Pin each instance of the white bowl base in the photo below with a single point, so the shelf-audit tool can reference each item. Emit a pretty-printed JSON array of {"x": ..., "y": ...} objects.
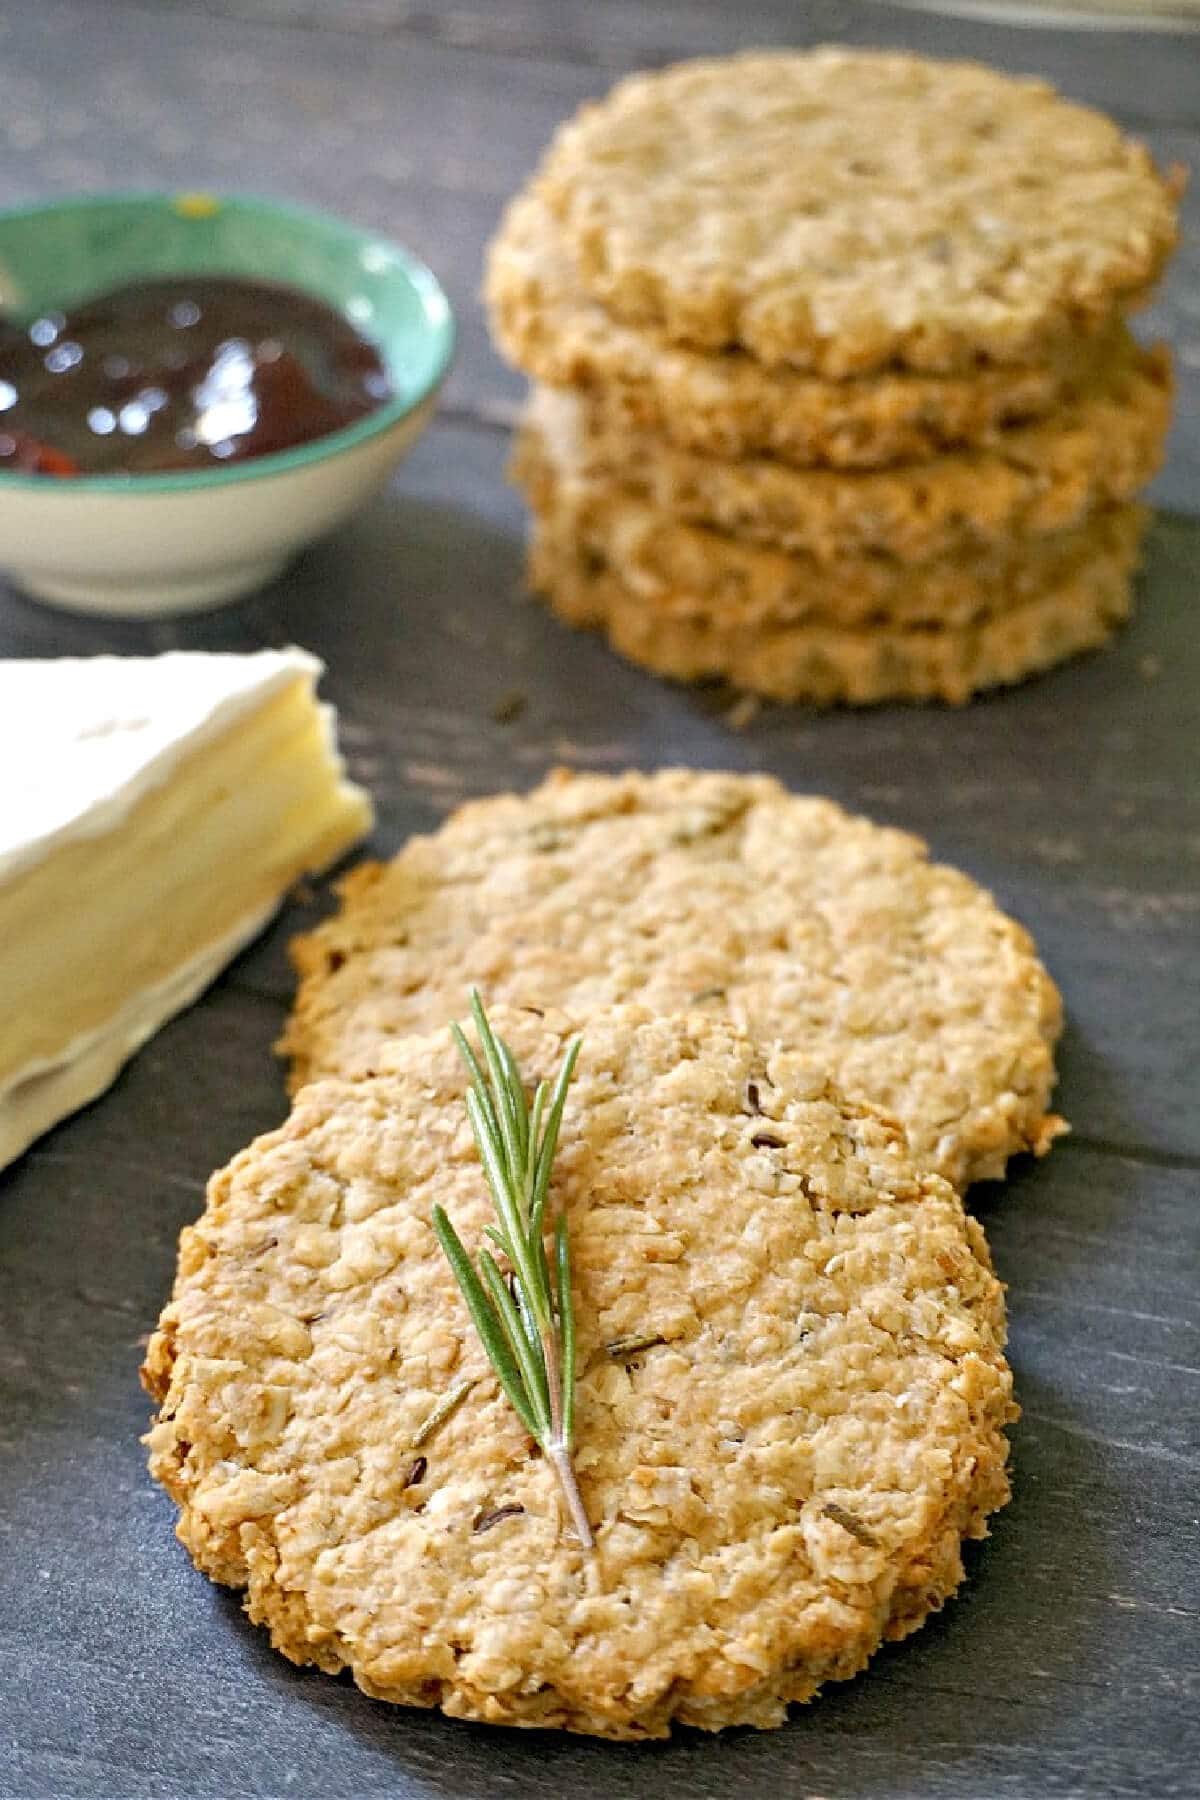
[{"x": 149, "y": 597}]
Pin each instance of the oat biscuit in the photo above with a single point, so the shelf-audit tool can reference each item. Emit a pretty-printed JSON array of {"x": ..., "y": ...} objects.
[
  {"x": 690, "y": 571},
  {"x": 842, "y": 210},
  {"x": 790, "y": 1408},
  {"x": 1049, "y": 476},
  {"x": 731, "y": 405},
  {"x": 799, "y": 921},
  {"x": 827, "y": 663}
]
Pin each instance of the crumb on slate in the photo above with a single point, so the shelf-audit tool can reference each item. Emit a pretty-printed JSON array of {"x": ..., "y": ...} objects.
[
  {"x": 742, "y": 714},
  {"x": 509, "y": 708}
]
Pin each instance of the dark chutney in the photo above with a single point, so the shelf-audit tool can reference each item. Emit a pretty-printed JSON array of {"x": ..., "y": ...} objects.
[{"x": 190, "y": 372}]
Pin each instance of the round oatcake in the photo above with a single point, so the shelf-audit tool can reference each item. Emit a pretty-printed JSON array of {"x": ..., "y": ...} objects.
[
  {"x": 828, "y": 664},
  {"x": 732, "y": 405},
  {"x": 1096, "y": 451},
  {"x": 846, "y": 209},
  {"x": 791, "y": 1393},
  {"x": 725, "y": 892},
  {"x": 684, "y": 572}
]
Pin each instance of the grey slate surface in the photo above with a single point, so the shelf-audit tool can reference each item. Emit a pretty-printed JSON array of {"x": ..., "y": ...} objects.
[{"x": 1071, "y": 1663}]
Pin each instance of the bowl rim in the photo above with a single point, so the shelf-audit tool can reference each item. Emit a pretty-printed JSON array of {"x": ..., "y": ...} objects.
[{"x": 435, "y": 304}]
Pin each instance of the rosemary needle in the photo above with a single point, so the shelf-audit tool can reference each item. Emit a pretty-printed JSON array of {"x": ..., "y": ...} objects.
[{"x": 526, "y": 1323}]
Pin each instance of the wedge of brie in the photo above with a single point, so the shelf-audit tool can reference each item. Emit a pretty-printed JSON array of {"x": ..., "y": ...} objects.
[{"x": 153, "y": 813}]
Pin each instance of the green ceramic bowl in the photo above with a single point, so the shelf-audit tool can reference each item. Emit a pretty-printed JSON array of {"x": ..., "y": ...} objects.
[{"x": 143, "y": 544}]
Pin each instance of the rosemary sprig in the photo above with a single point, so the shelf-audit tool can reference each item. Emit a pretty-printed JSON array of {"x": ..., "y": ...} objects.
[{"x": 527, "y": 1323}]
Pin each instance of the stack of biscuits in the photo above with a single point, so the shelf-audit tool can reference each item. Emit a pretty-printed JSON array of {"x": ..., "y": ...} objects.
[{"x": 835, "y": 399}]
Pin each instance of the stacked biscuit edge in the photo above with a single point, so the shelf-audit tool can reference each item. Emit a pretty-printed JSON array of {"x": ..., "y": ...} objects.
[{"x": 809, "y": 455}]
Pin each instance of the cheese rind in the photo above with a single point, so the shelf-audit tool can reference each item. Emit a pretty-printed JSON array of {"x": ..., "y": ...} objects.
[
  {"x": 158, "y": 811},
  {"x": 84, "y": 738}
]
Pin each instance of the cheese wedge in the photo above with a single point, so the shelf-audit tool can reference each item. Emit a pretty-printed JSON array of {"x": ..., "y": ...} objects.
[{"x": 153, "y": 813}]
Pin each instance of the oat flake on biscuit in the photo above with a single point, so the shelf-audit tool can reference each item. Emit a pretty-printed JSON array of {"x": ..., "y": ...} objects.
[
  {"x": 779, "y": 1479},
  {"x": 842, "y": 210},
  {"x": 812, "y": 927}
]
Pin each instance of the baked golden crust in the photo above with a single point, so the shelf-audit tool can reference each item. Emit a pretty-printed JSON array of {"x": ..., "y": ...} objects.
[
  {"x": 842, "y": 210},
  {"x": 1050, "y": 476},
  {"x": 810, "y": 926},
  {"x": 778, "y": 1481},
  {"x": 729, "y": 404},
  {"x": 826, "y": 663},
  {"x": 689, "y": 572}
]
